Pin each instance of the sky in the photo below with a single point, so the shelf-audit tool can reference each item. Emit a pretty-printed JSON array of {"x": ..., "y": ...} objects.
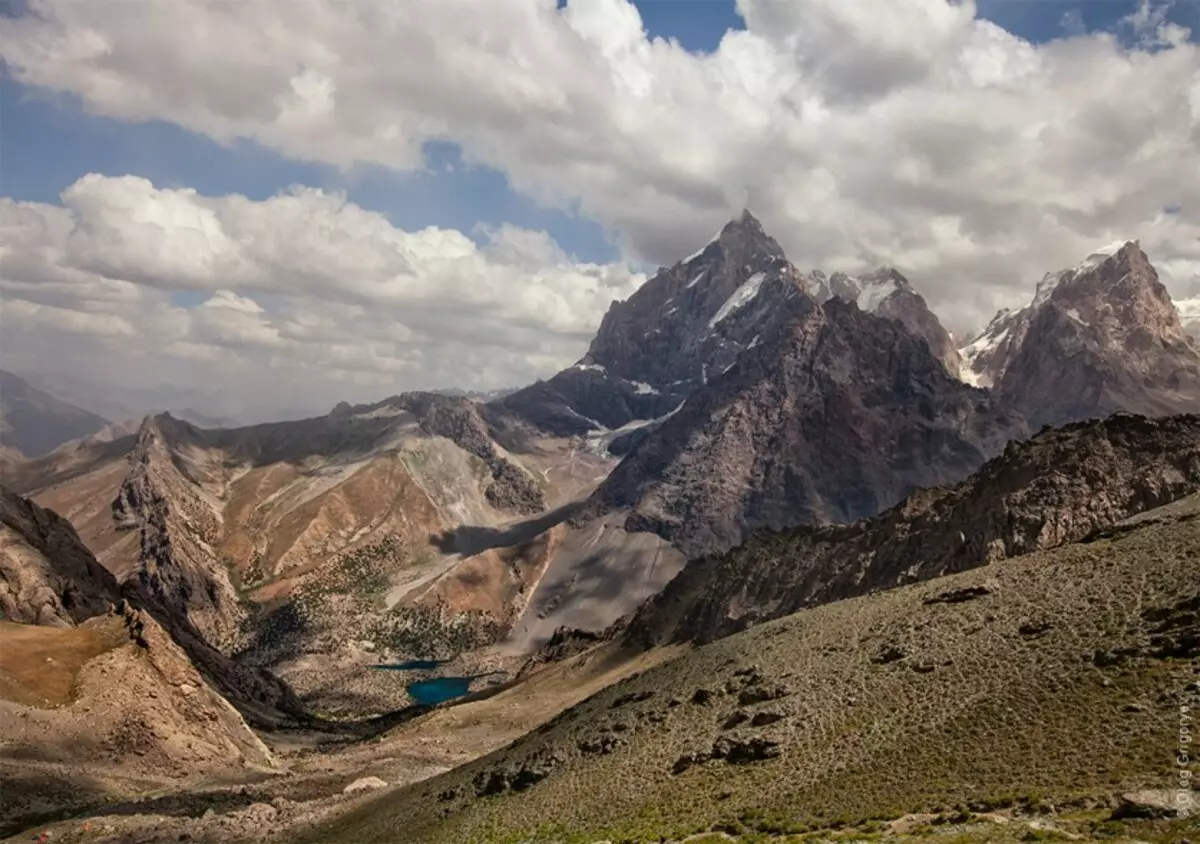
[{"x": 257, "y": 210}]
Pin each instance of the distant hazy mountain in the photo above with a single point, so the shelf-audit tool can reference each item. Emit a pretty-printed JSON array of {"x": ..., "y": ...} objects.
[{"x": 34, "y": 422}]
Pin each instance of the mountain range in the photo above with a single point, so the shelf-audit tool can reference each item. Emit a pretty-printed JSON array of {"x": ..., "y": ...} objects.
[
  {"x": 33, "y": 422},
  {"x": 742, "y": 442}
]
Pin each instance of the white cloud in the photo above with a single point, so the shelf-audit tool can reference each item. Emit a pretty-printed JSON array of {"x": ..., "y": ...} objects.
[
  {"x": 306, "y": 293},
  {"x": 908, "y": 133}
]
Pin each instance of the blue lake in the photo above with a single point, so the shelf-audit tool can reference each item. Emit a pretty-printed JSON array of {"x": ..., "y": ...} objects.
[
  {"x": 439, "y": 689},
  {"x": 435, "y": 690}
]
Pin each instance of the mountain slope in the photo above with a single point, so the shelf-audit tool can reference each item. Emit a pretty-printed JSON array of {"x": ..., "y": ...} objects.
[
  {"x": 96, "y": 697},
  {"x": 1099, "y": 337},
  {"x": 839, "y": 416},
  {"x": 35, "y": 422},
  {"x": 291, "y": 544},
  {"x": 46, "y": 575},
  {"x": 1058, "y": 676},
  {"x": 886, "y": 293},
  {"x": 1055, "y": 488},
  {"x": 685, "y": 325}
]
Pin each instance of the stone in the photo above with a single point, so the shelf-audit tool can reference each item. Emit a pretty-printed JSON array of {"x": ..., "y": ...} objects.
[
  {"x": 961, "y": 595},
  {"x": 1152, "y": 804},
  {"x": 738, "y": 751},
  {"x": 364, "y": 784}
]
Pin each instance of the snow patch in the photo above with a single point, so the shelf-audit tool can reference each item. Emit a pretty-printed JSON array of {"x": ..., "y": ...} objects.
[
  {"x": 700, "y": 251},
  {"x": 739, "y": 298},
  {"x": 753, "y": 343},
  {"x": 590, "y": 367},
  {"x": 1051, "y": 281},
  {"x": 872, "y": 295},
  {"x": 988, "y": 341},
  {"x": 699, "y": 276},
  {"x": 643, "y": 389}
]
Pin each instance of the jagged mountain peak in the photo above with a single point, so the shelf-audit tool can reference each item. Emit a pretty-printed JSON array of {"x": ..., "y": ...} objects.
[
  {"x": 686, "y": 324},
  {"x": 834, "y": 417},
  {"x": 1100, "y": 336},
  {"x": 886, "y": 292},
  {"x": 744, "y": 236}
]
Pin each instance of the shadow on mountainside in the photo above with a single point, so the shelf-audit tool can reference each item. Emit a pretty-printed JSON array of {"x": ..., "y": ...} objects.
[{"x": 469, "y": 540}]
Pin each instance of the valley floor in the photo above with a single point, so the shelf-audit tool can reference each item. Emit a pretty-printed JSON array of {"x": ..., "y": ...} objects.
[
  {"x": 1015, "y": 702},
  {"x": 316, "y": 773}
]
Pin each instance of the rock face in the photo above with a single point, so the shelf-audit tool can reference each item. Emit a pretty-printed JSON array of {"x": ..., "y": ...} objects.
[
  {"x": 458, "y": 419},
  {"x": 1097, "y": 338},
  {"x": 34, "y": 422},
  {"x": 1059, "y": 487},
  {"x": 177, "y": 528},
  {"x": 887, "y": 293},
  {"x": 681, "y": 328},
  {"x": 46, "y": 575},
  {"x": 840, "y": 415}
]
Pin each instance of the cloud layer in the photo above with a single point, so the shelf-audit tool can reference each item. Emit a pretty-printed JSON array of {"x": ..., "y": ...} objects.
[
  {"x": 861, "y": 133},
  {"x": 296, "y": 301}
]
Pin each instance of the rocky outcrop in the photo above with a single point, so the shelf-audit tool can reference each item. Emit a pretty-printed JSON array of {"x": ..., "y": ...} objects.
[
  {"x": 681, "y": 328},
  {"x": 1098, "y": 338},
  {"x": 837, "y": 417},
  {"x": 1058, "y": 487},
  {"x": 887, "y": 293},
  {"x": 176, "y": 568},
  {"x": 46, "y": 575}
]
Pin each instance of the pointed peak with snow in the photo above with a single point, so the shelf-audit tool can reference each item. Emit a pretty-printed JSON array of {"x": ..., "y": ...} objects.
[{"x": 1099, "y": 336}]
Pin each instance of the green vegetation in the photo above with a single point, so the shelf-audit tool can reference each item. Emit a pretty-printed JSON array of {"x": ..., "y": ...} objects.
[
  {"x": 363, "y": 574},
  {"x": 433, "y": 630},
  {"x": 1038, "y": 699}
]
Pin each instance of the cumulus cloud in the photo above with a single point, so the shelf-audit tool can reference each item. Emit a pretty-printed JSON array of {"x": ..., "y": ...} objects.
[
  {"x": 304, "y": 296},
  {"x": 914, "y": 134}
]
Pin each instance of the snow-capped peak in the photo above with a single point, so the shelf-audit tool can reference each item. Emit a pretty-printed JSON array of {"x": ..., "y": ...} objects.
[
  {"x": 1051, "y": 281},
  {"x": 869, "y": 291}
]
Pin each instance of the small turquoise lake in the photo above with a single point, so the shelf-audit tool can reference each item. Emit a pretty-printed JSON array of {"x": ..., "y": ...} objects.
[{"x": 434, "y": 690}]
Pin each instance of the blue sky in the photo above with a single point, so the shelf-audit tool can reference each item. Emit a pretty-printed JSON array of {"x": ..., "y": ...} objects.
[
  {"x": 47, "y": 142},
  {"x": 858, "y": 137}
]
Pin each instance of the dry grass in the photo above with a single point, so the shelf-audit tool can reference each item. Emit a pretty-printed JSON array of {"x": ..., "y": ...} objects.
[
  {"x": 1051, "y": 686},
  {"x": 39, "y": 665}
]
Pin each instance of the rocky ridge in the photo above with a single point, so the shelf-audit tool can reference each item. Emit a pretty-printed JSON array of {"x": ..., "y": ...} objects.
[
  {"x": 838, "y": 416},
  {"x": 1061, "y": 486}
]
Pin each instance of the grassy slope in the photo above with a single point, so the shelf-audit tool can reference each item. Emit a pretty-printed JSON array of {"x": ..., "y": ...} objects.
[{"x": 995, "y": 698}]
